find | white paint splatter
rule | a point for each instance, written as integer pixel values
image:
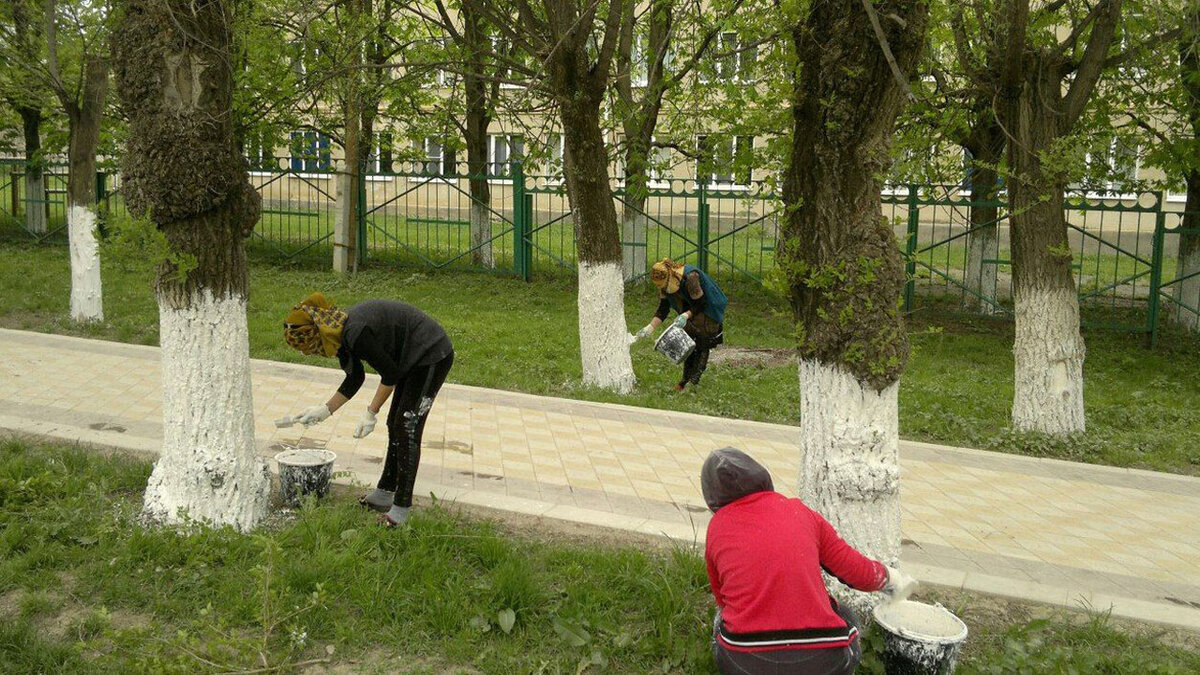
(87, 302)
(849, 469)
(209, 469)
(603, 334)
(1049, 353)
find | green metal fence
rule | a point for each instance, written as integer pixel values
(1126, 250)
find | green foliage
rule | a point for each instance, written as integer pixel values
(137, 245)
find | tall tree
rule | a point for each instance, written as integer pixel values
(27, 94)
(73, 66)
(573, 43)
(1051, 60)
(841, 260)
(183, 170)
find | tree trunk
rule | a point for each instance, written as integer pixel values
(182, 170)
(478, 117)
(1048, 348)
(1187, 291)
(844, 269)
(603, 334)
(87, 302)
(983, 243)
(35, 182)
(638, 136)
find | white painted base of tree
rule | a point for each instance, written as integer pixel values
(342, 232)
(481, 235)
(849, 462)
(1048, 351)
(87, 303)
(983, 244)
(35, 204)
(603, 334)
(633, 244)
(1187, 292)
(209, 469)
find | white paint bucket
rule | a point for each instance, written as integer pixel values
(304, 471)
(675, 343)
(919, 638)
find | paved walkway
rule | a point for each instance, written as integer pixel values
(1059, 532)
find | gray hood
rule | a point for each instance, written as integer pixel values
(730, 474)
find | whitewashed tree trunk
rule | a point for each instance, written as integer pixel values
(481, 234)
(87, 302)
(35, 202)
(1049, 353)
(343, 232)
(603, 334)
(209, 469)
(982, 244)
(849, 465)
(633, 242)
(1187, 292)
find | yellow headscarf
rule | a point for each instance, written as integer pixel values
(667, 275)
(314, 326)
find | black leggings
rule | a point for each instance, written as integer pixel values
(411, 402)
(827, 661)
(697, 362)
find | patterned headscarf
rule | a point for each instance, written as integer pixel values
(314, 326)
(666, 275)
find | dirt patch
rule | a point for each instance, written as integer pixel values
(10, 603)
(742, 357)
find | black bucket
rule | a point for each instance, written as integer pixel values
(304, 471)
(919, 639)
(675, 343)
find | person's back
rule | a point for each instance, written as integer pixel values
(765, 553)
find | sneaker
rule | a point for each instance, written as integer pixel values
(680, 386)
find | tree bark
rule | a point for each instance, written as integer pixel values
(986, 145)
(87, 303)
(35, 181)
(578, 80)
(603, 334)
(478, 117)
(843, 266)
(183, 171)
(1187, 291)
(1048, 347)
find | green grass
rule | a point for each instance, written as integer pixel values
(86, 587)
(1142, 405)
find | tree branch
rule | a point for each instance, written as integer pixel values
(1091, 66)
(869, 8)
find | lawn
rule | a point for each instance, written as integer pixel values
(85, 586)
(1142, 405)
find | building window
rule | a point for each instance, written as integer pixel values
(503, 150)
(555, 167)
(659, 160)
(439, 159)
(381, 160)
(1111, 167)
(726, 161)
(260, 152)
(731, 59)
(310, 151)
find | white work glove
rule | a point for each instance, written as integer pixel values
(681, 320)
(644, 332)
(313, 415)
(365, 425)
(899, 585)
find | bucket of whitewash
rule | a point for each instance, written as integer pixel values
(675, 343)
(304, 471)
(919, 638)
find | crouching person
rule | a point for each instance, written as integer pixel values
(764, 553)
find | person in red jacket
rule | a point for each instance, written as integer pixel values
(765, 553)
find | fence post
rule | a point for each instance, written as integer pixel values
(520, 224)
(527, 248)
(702, 227)
(910, 246)
(101, 187)
(16, 198)
(1156, 262)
